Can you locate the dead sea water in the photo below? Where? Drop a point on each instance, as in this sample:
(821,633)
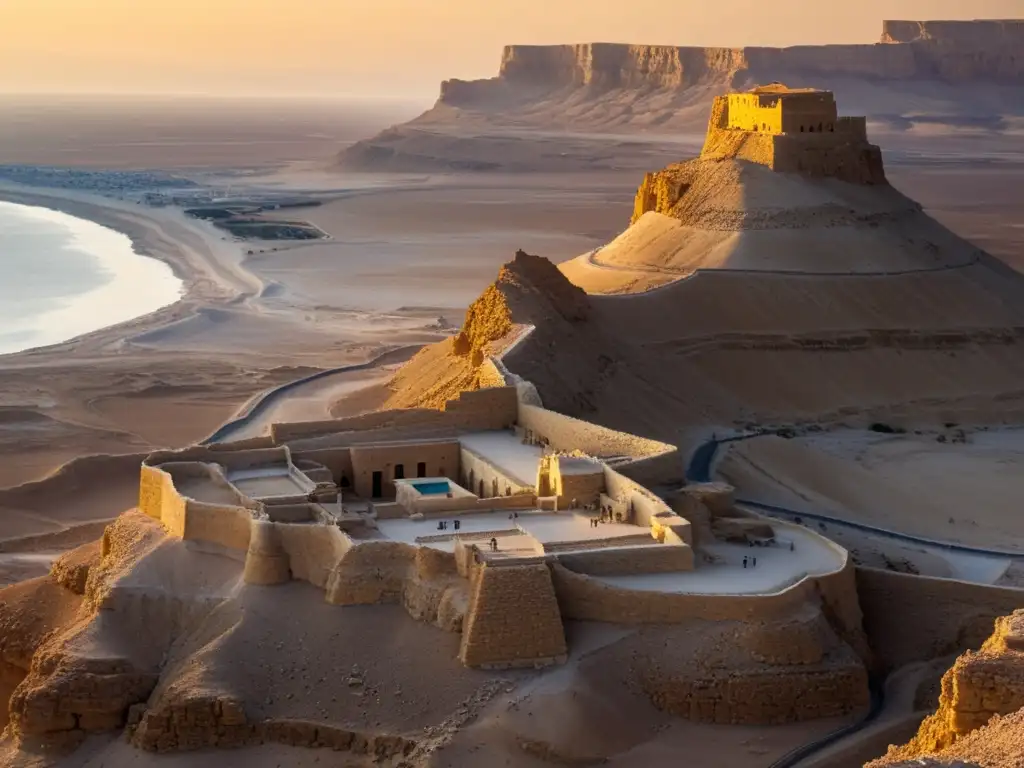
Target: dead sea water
(61,277)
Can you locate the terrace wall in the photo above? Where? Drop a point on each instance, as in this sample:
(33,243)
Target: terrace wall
(587,599)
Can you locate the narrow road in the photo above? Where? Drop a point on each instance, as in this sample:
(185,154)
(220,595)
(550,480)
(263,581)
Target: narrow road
(261,406)
(699,471)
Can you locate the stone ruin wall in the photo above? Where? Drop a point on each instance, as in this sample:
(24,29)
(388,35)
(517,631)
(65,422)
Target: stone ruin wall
(911,618)
(513,618)
(67,693)
(221,524)
(586,599)
(774,696)
(204,721)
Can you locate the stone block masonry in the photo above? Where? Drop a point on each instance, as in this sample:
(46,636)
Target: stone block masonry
(513,619)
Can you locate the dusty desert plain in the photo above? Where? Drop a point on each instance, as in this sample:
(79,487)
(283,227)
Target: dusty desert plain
(845,359)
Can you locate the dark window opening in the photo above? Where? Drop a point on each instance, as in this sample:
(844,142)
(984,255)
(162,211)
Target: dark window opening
(801,129)
(378,480)
(819,128)
(812,129)
(480,490)
(421,469)
(399,471)
(344,481)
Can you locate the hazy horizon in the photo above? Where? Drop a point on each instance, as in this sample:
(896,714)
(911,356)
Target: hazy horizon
(392,48)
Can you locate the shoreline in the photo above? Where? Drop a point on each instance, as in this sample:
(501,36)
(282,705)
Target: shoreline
(210,269)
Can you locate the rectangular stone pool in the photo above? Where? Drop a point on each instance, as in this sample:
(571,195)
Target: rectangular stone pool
(432,487)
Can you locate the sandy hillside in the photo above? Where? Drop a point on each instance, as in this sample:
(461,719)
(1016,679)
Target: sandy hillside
(745,217)
(965,492)
(149,618)
(926,323)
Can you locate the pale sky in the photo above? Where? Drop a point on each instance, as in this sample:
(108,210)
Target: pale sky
(388,47)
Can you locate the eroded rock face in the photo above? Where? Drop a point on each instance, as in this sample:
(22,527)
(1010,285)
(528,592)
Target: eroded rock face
(978,687)
(944,50)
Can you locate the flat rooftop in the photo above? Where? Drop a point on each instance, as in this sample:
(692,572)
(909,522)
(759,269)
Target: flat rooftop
(544,526)
(267,482)
(517,459)
(777,567)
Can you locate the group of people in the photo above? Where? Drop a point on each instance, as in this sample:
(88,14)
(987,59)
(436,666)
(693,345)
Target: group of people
(442,525)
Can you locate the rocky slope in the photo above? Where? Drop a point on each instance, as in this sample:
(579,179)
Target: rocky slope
(960,75)
(980,716)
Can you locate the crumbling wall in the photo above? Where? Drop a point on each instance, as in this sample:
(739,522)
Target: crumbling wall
(833,155)
(915,618)
(313,550)
(371,572)
(513,619)
(771,696)
(182,723)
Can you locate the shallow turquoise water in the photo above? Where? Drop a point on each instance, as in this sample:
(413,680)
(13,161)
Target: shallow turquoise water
(432,488)
(61,277)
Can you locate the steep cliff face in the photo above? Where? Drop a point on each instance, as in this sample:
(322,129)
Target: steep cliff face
(611,65)
(945,50)
(978,33)
(529,291)
(965,75)
(977,688)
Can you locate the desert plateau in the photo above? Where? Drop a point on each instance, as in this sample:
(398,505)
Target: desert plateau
(751,315)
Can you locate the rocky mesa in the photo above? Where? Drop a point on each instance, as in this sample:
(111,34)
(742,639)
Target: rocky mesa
(959,75)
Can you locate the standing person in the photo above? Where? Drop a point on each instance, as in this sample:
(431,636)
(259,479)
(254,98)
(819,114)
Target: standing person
(744,561)
(755,562)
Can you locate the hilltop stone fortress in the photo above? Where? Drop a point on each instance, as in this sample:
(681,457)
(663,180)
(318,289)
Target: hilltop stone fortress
(793,130)
(500,519)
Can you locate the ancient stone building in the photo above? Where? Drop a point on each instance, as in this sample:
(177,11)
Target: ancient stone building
(793,130)
(778,109)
